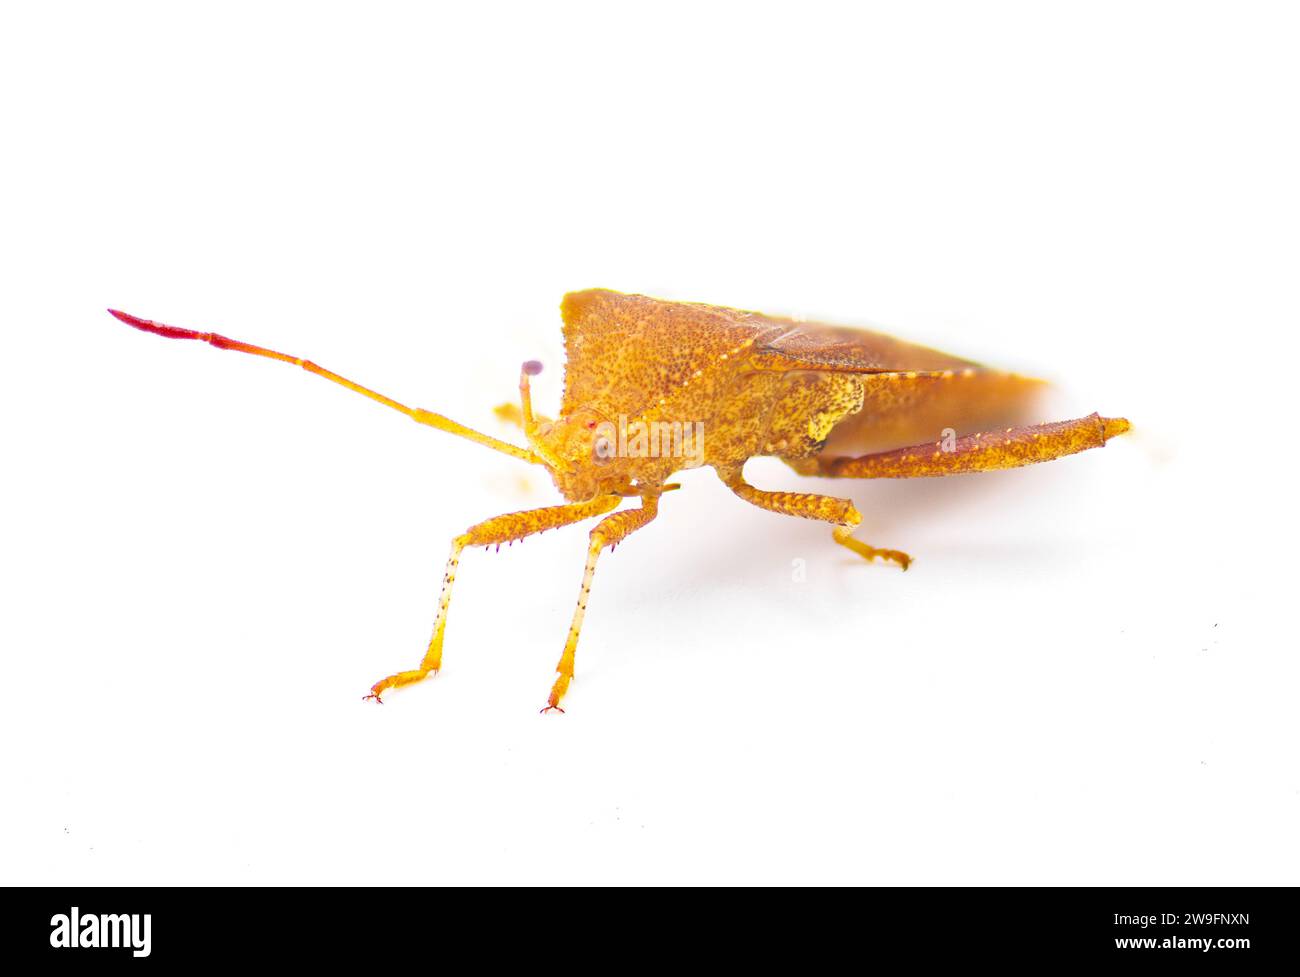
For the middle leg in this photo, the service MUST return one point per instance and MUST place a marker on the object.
(839, 512)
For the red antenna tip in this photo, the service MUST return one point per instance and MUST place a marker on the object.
(130, 320)
(171, 332)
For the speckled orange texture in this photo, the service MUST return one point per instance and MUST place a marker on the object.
(509, 528)
(828, 400)
(1010, 448)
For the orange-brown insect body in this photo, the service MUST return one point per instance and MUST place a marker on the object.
(759, 386)
(635, 362)
(652, 387)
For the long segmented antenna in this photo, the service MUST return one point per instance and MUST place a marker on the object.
(417, 414)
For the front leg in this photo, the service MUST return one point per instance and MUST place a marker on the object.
(610, 531)
(840, 512)
(501, 529)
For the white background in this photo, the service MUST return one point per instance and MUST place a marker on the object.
(1089, 675)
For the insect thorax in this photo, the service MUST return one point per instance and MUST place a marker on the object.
(786, 414)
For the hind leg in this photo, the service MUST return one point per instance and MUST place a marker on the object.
(987, 451)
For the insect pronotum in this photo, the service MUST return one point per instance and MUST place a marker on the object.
(653, 387)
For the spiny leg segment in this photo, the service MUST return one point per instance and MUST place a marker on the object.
(501, 529)
(985, 451)
(417, 414)
(610, 531)
(839, 512)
